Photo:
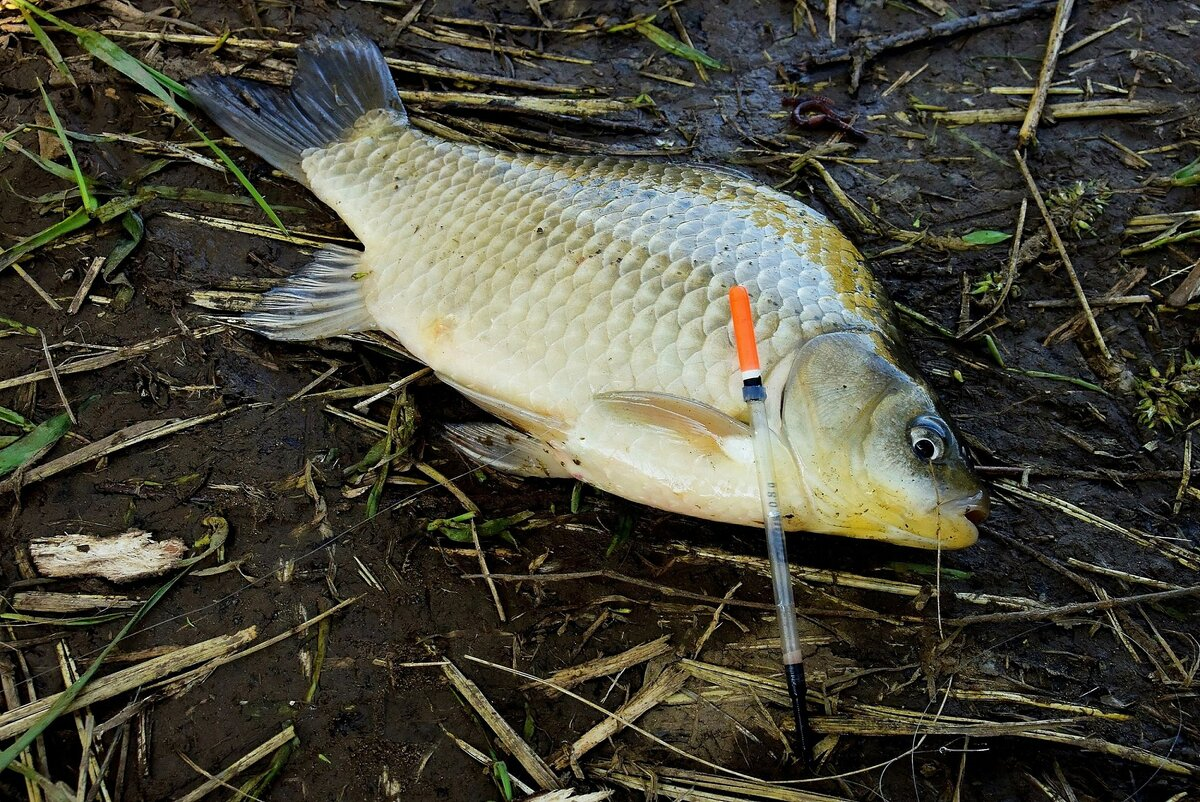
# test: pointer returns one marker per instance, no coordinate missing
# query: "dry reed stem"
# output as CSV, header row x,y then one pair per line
x,y
1066,610
221,779
605,666
45,601
1009,697
403,65
672,783
1059,111
1058,31
134,434
484,760
18,720
62,396
647,698
104,360
1010,274
1188,558
85,286
1087,40
487,575
512,743
448,483
37,288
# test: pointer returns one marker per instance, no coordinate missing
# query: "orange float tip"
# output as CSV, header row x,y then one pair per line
x,y
743,331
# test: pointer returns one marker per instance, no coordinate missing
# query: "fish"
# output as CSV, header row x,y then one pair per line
x,y
582,301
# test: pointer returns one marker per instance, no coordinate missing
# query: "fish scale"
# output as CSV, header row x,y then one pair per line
x,y
542,281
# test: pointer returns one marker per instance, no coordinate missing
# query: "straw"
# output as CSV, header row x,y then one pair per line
x,y
756,398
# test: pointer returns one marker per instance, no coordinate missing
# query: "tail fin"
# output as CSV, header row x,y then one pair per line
x,y
337,81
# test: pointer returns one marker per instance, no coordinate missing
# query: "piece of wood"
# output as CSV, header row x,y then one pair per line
x,y
131,555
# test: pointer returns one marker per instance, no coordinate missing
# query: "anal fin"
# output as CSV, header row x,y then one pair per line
x,y
504,448
324,299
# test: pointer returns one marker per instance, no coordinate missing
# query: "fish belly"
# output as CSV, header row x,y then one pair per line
x,y
542,281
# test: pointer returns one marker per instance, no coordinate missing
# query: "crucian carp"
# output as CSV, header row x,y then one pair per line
x,y
582,301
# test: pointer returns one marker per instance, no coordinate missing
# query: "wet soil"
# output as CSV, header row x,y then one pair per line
x,y
376,727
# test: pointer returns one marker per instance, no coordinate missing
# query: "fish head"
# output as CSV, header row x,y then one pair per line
x,y
878,459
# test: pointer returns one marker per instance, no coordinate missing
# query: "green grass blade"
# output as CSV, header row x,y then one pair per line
x,y
36,442
54,169
55,57
132,223
89,201
77,219
16,419
17,325
107,51
1188,176
256,787
675,47
68,696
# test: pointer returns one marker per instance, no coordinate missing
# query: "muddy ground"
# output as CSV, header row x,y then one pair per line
x,y
1111,692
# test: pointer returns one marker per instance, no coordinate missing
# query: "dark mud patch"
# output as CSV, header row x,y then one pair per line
x,y
1084,704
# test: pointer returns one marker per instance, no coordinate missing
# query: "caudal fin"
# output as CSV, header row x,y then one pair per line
x,y
337,81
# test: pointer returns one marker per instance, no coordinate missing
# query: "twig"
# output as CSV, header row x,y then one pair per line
x,y
867,48
1010,274
1185,476
1087,40
86,285
1062,252
487,575
1071,609
1033,115
33,285
539,772
54,377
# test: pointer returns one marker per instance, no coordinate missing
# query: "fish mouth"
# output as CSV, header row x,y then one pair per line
x,y
963,516
974,508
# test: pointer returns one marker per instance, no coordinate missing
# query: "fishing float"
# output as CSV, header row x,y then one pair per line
x,y
755,396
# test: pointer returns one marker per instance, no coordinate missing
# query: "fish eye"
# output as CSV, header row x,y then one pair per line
x,y
928,437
